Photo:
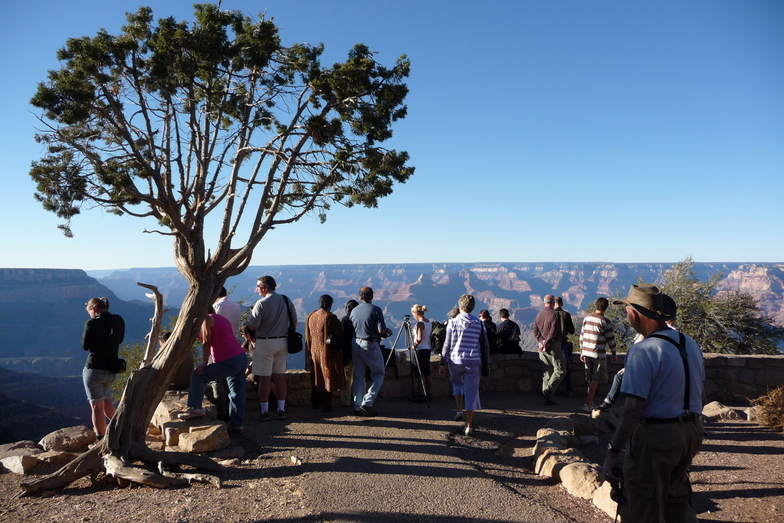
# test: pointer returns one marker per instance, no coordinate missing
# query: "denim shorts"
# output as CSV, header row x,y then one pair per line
x,y
97,383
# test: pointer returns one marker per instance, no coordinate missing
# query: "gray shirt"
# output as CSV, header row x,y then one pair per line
x,y
368,321
269,318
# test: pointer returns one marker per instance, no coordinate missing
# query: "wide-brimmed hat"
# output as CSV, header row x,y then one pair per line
x,y
649,301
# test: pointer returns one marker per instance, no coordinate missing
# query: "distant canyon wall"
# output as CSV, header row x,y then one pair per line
x,y
42,316
42,310
519,287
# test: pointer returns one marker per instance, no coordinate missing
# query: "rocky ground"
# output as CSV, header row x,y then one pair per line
x,y
413,462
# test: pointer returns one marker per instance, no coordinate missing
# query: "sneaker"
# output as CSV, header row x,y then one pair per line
x,y
237,430
419,398
469,431
191,414
548,399
458,416
264,416
282,415
603,407
588,408
364,411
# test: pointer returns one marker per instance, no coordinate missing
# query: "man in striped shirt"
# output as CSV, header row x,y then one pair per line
x,y
596,336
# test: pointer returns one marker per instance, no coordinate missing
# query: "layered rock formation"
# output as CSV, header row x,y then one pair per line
x,y
42,314
518,287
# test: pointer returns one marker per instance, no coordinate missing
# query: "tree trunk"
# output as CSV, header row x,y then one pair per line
x,y
125,435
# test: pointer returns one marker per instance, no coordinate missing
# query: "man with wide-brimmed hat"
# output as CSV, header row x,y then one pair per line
x,y
660,421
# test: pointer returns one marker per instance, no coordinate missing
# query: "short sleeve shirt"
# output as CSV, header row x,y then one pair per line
x,y
655,373
368,321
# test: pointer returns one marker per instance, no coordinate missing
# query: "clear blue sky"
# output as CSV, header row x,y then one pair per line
x,y
540,131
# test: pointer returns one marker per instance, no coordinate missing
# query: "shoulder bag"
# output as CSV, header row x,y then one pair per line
x,y
293,338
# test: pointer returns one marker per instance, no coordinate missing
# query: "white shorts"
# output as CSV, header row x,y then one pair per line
x,y
269,356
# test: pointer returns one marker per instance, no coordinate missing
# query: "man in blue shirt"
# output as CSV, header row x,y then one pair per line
x,y
660,425
369,328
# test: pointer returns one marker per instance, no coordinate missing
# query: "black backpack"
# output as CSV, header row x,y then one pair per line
x,y
437,336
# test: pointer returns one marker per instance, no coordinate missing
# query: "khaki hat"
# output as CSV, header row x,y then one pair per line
x,y
649,301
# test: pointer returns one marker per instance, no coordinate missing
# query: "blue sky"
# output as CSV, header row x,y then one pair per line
x,y
540,131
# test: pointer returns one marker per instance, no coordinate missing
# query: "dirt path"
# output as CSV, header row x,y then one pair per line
x,y
411,464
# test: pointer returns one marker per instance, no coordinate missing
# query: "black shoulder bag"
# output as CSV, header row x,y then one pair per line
x,y
293,337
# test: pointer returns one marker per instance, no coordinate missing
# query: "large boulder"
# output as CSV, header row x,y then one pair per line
x,y
717,411
588,424
20,448
173,403
69,439
173,429
601,498
205,438
20,464
581,479
552,461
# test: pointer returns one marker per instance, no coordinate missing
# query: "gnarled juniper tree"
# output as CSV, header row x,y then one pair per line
x,y
209,122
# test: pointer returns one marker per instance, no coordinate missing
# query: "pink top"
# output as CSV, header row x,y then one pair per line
x,y
224,342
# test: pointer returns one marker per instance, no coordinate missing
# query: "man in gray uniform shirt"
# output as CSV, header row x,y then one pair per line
x,y
369,327
270,320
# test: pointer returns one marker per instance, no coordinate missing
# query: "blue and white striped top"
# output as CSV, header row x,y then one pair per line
x,y
462,340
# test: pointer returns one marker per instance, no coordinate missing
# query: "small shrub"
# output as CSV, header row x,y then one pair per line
x,y
772,409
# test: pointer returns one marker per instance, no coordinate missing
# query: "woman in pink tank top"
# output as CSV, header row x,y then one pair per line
x,y
229,361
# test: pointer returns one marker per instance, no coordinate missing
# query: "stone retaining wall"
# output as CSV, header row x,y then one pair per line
x,y
729,378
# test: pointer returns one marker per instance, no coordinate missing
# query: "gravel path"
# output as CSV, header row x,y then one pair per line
x,y
410,464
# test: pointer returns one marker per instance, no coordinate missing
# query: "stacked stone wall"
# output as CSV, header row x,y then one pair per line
x,y
729,378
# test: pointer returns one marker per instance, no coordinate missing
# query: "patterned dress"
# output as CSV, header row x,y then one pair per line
x,y
326,360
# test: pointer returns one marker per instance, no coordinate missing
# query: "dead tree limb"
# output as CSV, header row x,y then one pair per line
x,y
157,319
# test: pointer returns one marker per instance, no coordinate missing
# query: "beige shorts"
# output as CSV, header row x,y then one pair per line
x,y
269,357
595,369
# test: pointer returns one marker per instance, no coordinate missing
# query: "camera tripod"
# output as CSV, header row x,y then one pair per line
x,y
405,331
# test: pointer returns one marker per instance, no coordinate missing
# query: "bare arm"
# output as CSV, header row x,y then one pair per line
x,y
418,330
206,342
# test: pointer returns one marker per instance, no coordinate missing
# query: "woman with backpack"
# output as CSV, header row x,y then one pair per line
x,y
102,336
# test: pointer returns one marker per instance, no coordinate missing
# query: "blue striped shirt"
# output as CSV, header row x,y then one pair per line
x,y
462,340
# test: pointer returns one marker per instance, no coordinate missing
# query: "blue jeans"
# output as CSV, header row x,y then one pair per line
x,y
233,369
615,389
367,354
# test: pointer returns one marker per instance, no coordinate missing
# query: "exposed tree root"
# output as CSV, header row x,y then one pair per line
x,y
84,465
101,459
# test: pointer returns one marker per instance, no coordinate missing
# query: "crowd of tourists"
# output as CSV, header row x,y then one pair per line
x,y
660,428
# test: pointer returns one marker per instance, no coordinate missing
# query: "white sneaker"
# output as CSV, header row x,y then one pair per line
x,y
469,431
